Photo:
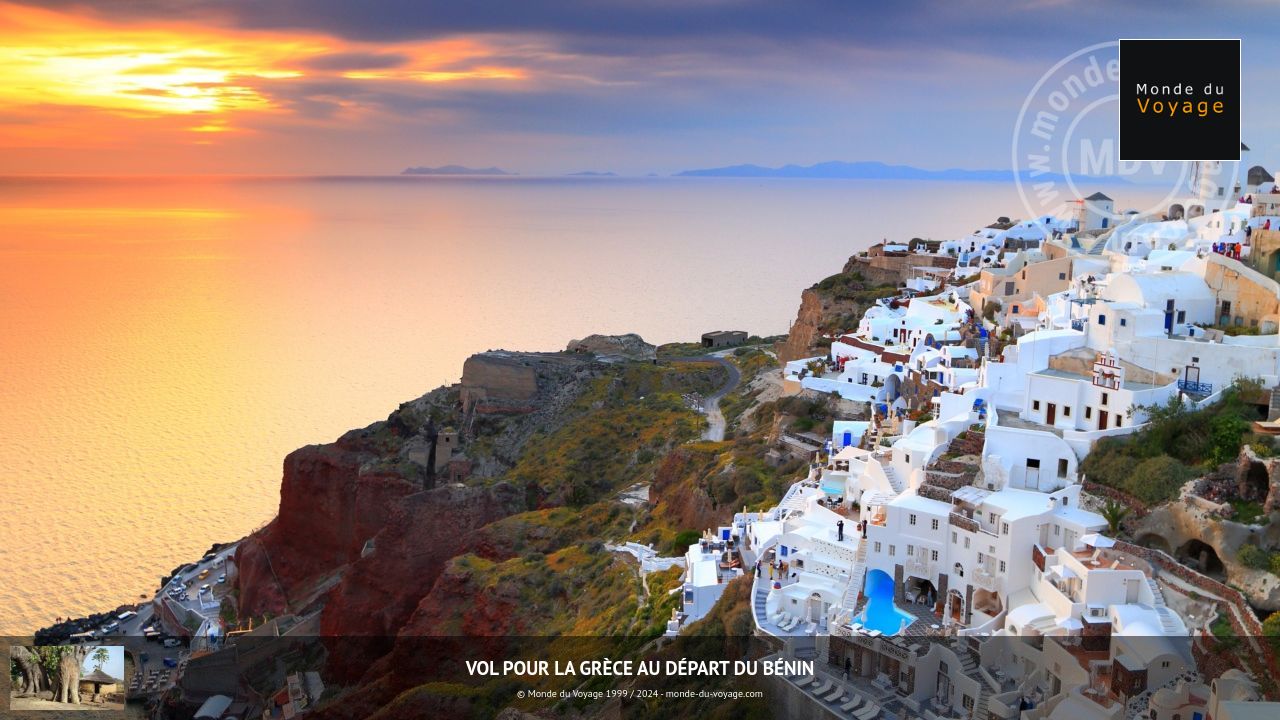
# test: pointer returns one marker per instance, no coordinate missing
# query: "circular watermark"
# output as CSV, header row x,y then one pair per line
x,y
1066,147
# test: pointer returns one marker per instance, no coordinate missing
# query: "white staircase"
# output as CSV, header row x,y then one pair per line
x,y
849,603
1156,593
894,481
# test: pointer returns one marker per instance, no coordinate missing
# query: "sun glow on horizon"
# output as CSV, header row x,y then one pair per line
x,y
54,64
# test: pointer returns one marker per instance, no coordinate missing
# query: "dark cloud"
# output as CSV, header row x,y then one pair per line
x,y
627,27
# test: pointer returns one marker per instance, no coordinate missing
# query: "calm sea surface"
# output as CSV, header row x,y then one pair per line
x,y
165,342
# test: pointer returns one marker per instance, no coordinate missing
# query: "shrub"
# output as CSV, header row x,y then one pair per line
x,y
1157,479
683,540
1225,433
1271,627
1254,557
1109,464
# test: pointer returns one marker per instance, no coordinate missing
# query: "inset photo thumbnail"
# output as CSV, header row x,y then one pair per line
x,y
66,677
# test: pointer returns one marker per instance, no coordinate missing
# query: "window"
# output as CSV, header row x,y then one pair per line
x,y
912,519
953,537
1066,411
1033,463
1102,319
1182,317
934,523
1118,419
1088,412
1105,397
893,550
933,555
1062,467
1057,530
966,543
1123,322
877,546
1035,405
1062,276
1004,528
1008,288
1002,566
911,551
1015,310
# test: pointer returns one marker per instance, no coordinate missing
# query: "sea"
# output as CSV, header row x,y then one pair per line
x,y
166,341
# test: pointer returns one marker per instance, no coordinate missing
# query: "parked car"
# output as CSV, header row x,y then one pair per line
x,y
222,578
170,663
172,642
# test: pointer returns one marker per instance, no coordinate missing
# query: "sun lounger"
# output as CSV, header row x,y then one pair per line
x,y
822,688
868,712
835,694
806,681
855,702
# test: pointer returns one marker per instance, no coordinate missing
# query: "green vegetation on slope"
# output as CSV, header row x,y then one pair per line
x,y
619,430
1177,443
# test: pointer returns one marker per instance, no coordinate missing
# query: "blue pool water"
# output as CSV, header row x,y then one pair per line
x,y
880,613
833,487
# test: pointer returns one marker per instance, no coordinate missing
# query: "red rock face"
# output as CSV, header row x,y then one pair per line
x,y
686,504
378,593
329,508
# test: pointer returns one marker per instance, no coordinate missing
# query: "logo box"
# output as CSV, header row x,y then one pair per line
x,y
1180,99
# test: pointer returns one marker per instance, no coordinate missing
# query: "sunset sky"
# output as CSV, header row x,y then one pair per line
x,y
338,86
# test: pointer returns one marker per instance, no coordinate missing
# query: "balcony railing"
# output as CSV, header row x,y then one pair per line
x,y
964,523
919,566
1077,324
986,580
1195,388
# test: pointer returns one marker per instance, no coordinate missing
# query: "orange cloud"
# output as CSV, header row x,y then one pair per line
x,y
51,60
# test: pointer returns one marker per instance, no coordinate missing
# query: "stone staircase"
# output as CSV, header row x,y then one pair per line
x,y
1168,622
980,710
849,603
758,604
1156,592
894,481
791,500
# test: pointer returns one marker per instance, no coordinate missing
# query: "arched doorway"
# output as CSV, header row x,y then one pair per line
x,y
1155,541
921,591
1201,556
955,605
1255,483
1176,211
815,609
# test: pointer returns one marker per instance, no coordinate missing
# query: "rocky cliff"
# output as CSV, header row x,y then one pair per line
x,y
835,305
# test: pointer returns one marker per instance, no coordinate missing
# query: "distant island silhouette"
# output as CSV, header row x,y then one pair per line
x,y
453,170
871,170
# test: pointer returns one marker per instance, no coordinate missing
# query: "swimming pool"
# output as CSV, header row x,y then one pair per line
x,y
833,487
880,613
